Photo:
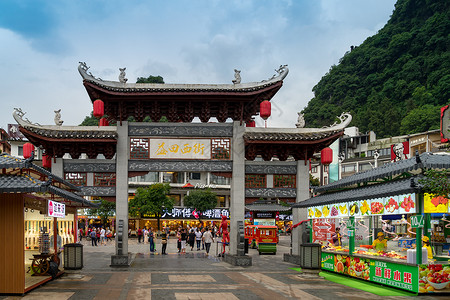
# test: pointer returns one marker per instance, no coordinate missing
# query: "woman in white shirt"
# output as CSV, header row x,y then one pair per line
x,y
208,239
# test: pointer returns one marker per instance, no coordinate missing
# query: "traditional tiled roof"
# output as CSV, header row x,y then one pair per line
x,y
10,162
413,165
122,87
80,132
266,207
288,136
402,186
26,184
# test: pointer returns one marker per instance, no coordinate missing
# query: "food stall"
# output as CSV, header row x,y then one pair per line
x,y
380,225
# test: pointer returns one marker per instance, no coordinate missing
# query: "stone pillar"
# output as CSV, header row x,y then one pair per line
x,y
58,167
237,201
122,153
300,214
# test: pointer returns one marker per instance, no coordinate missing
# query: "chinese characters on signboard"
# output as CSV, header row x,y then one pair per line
x,y
189,213
55,209
180,148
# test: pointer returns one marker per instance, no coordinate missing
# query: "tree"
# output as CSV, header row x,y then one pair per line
x,y
436,182
107,209
150,79
201,200
90,120
152,200
421,119
313,180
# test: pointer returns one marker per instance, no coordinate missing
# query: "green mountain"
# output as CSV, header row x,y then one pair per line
x,y
396,81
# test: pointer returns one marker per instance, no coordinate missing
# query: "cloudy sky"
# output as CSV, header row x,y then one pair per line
x,y
195,41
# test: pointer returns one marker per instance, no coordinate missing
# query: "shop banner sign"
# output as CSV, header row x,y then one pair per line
x,y
435,204
396,275
56,209
407,204
417,221
180,148
189,213
327,261
323,229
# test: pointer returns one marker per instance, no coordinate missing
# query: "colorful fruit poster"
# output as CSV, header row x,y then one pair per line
x,y
407,204
334,211
365,208
353,208
396,275
434,278
343,210
377,206
323,229
317,212
391,205
311,213
435,204
326,211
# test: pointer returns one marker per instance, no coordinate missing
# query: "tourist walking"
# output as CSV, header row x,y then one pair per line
x,y
208,239
139,234
103,236
151,240
164,241
198,238
93,235
191,239
179,240
183,241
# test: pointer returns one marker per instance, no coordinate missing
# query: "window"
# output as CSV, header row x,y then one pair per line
x,y
173,177
365,167
325,168
221,201
314,169
219,180
325,180
194,176
150,177
348,168
20,150
176,199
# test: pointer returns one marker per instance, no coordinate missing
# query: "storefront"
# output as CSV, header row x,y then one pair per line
x,y
269,214
35,205
371,232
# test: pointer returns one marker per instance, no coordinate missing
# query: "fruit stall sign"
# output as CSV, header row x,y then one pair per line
x,y
391,205
417,221
348,265
334,211
311,213
365,208
407,204
354,209
323,229
377,206
434,278
396,275
434,203
327,261
343,209
326,211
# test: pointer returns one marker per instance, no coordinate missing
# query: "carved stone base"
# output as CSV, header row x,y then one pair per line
x,y
290,258
118,261
238,260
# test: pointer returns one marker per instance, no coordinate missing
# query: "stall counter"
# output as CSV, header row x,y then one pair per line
x,y
391,272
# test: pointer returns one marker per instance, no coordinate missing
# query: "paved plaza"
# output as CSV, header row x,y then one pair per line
x,y
193,275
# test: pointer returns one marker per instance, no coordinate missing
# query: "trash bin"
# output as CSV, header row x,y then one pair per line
x,y
73,256
310,256
246,246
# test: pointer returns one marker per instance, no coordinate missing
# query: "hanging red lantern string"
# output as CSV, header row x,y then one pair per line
x,y
265,108
250,124
28,150
99,108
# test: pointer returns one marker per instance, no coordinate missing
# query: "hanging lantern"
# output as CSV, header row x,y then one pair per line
x,y
251,124
104,122
326,156
99,108
46,161
28,150
265,109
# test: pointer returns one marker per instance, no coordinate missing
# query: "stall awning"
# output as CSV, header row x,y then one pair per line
x,y
413,166
402,186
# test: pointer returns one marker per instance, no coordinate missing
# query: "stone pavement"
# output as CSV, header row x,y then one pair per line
x,y
193,275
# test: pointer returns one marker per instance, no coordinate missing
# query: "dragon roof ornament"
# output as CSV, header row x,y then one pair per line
x,y
279,75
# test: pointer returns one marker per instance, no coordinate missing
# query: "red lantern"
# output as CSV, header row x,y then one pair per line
x,y
99,108
104,122
326,156
46,161
251,124
265,109
28,149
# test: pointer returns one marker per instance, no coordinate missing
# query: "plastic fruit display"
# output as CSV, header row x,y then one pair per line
x,y
376,208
